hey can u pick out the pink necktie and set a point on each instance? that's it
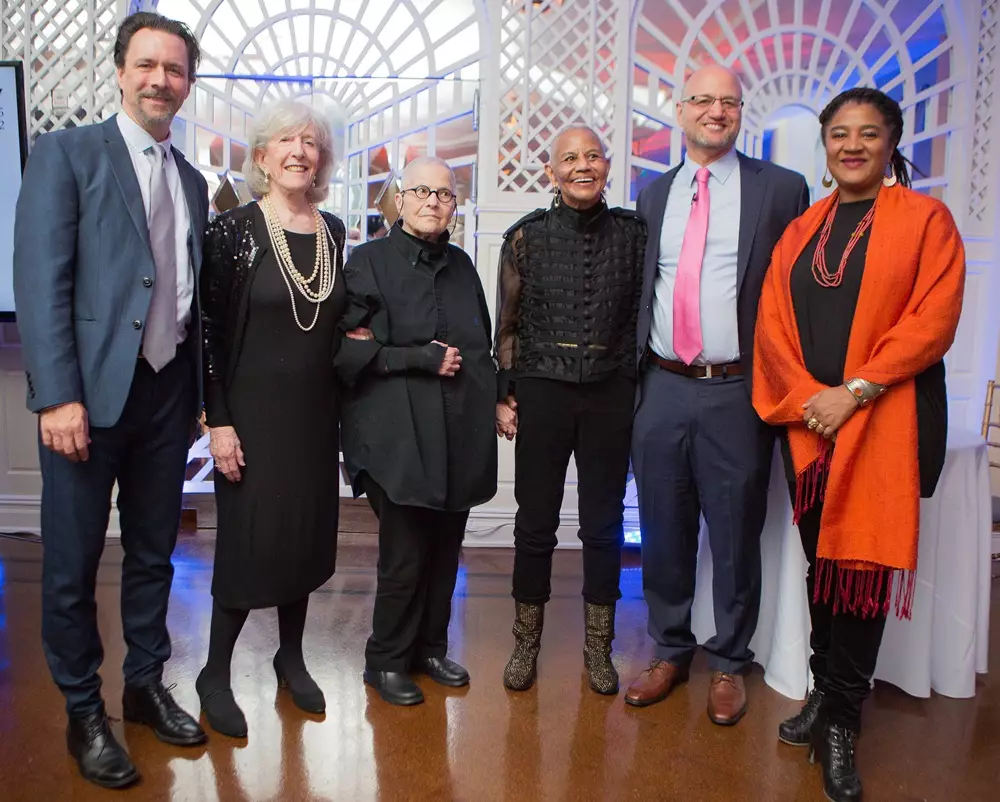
(687, 285)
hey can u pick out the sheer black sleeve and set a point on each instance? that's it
(507, 344)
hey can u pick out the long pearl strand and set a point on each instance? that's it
(323, 266)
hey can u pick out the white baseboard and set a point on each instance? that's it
(19, 514)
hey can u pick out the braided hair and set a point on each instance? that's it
(891, 113)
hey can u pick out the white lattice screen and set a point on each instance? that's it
(802, 53)
(66, 47)
(982, 189)
(557, 67)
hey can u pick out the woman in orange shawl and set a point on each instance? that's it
(858, 309)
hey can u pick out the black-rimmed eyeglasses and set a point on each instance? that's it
(446, 196)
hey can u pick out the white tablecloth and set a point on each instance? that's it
(943, 646)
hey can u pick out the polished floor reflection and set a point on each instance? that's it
(558, 741)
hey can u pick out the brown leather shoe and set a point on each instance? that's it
(727, 699)
(655, 683)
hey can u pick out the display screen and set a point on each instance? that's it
(13, 153)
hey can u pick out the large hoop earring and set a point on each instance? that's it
(890, 180)
(827, 180)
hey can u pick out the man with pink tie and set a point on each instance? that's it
(697, 444)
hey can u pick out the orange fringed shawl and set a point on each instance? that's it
(908, 309)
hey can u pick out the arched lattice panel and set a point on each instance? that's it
(801, 53)
(356, 45)
(66, 47)
(557, 67)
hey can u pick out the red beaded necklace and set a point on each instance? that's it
(823, 276)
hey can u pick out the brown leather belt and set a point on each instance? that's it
(697, 371)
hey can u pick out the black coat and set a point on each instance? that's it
(427, 440)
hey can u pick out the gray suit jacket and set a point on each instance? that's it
(81, 260)
(770, 198)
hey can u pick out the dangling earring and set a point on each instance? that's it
(890, 180)
(267, 178)
(827, 180)
(557, 200)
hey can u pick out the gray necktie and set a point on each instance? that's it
(159, 344)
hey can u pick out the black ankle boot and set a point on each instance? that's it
(599, 632)
(833, 744)
(97, 752)
(305, 692)
(797, 730)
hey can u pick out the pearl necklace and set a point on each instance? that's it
(293, 278)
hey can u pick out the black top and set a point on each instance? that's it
(427, 440)
(236, 243)
(825, 315)
(568, 296)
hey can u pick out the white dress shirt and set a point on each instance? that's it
(720, 335)
(140, 142)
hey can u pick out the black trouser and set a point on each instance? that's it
(418, 550)
(844, 646)
(592, 421)
(146, 452)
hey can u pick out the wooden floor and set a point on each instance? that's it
(558, 741)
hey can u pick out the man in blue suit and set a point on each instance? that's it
(107, 245)
(697, 444)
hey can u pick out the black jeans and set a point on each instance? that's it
(418, 551)
(146, 452)
(844, 646)
(592, 421)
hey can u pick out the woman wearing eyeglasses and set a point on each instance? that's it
(417, 423)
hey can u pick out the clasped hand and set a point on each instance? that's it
(450, 364)
(830, 409)
(506, 421)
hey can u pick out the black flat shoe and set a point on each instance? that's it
(395, 687)
(443, 671)
(220, 709)
(305, 692)
(100, 757)
(153, 706)
(795, 731)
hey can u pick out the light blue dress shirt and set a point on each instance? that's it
(720, 336)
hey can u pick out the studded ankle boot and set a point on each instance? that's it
(519, 675)
(600, 631)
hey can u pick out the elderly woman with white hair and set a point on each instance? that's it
(272, 298)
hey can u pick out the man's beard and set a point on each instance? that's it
(704, 142)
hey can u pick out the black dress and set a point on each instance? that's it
(277, 528)
(825, 315)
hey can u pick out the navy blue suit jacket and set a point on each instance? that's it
(81, 255)
(770, 198)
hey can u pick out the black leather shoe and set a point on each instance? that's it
(220, 709)
(395, 687)
(796, 730)
(834, 746)
(101, 759)
(153, 706)
(305, 692)
(444, 671)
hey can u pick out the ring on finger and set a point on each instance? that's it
(813, 423)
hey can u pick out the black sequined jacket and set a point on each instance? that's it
(235, 243)
(568, 295)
